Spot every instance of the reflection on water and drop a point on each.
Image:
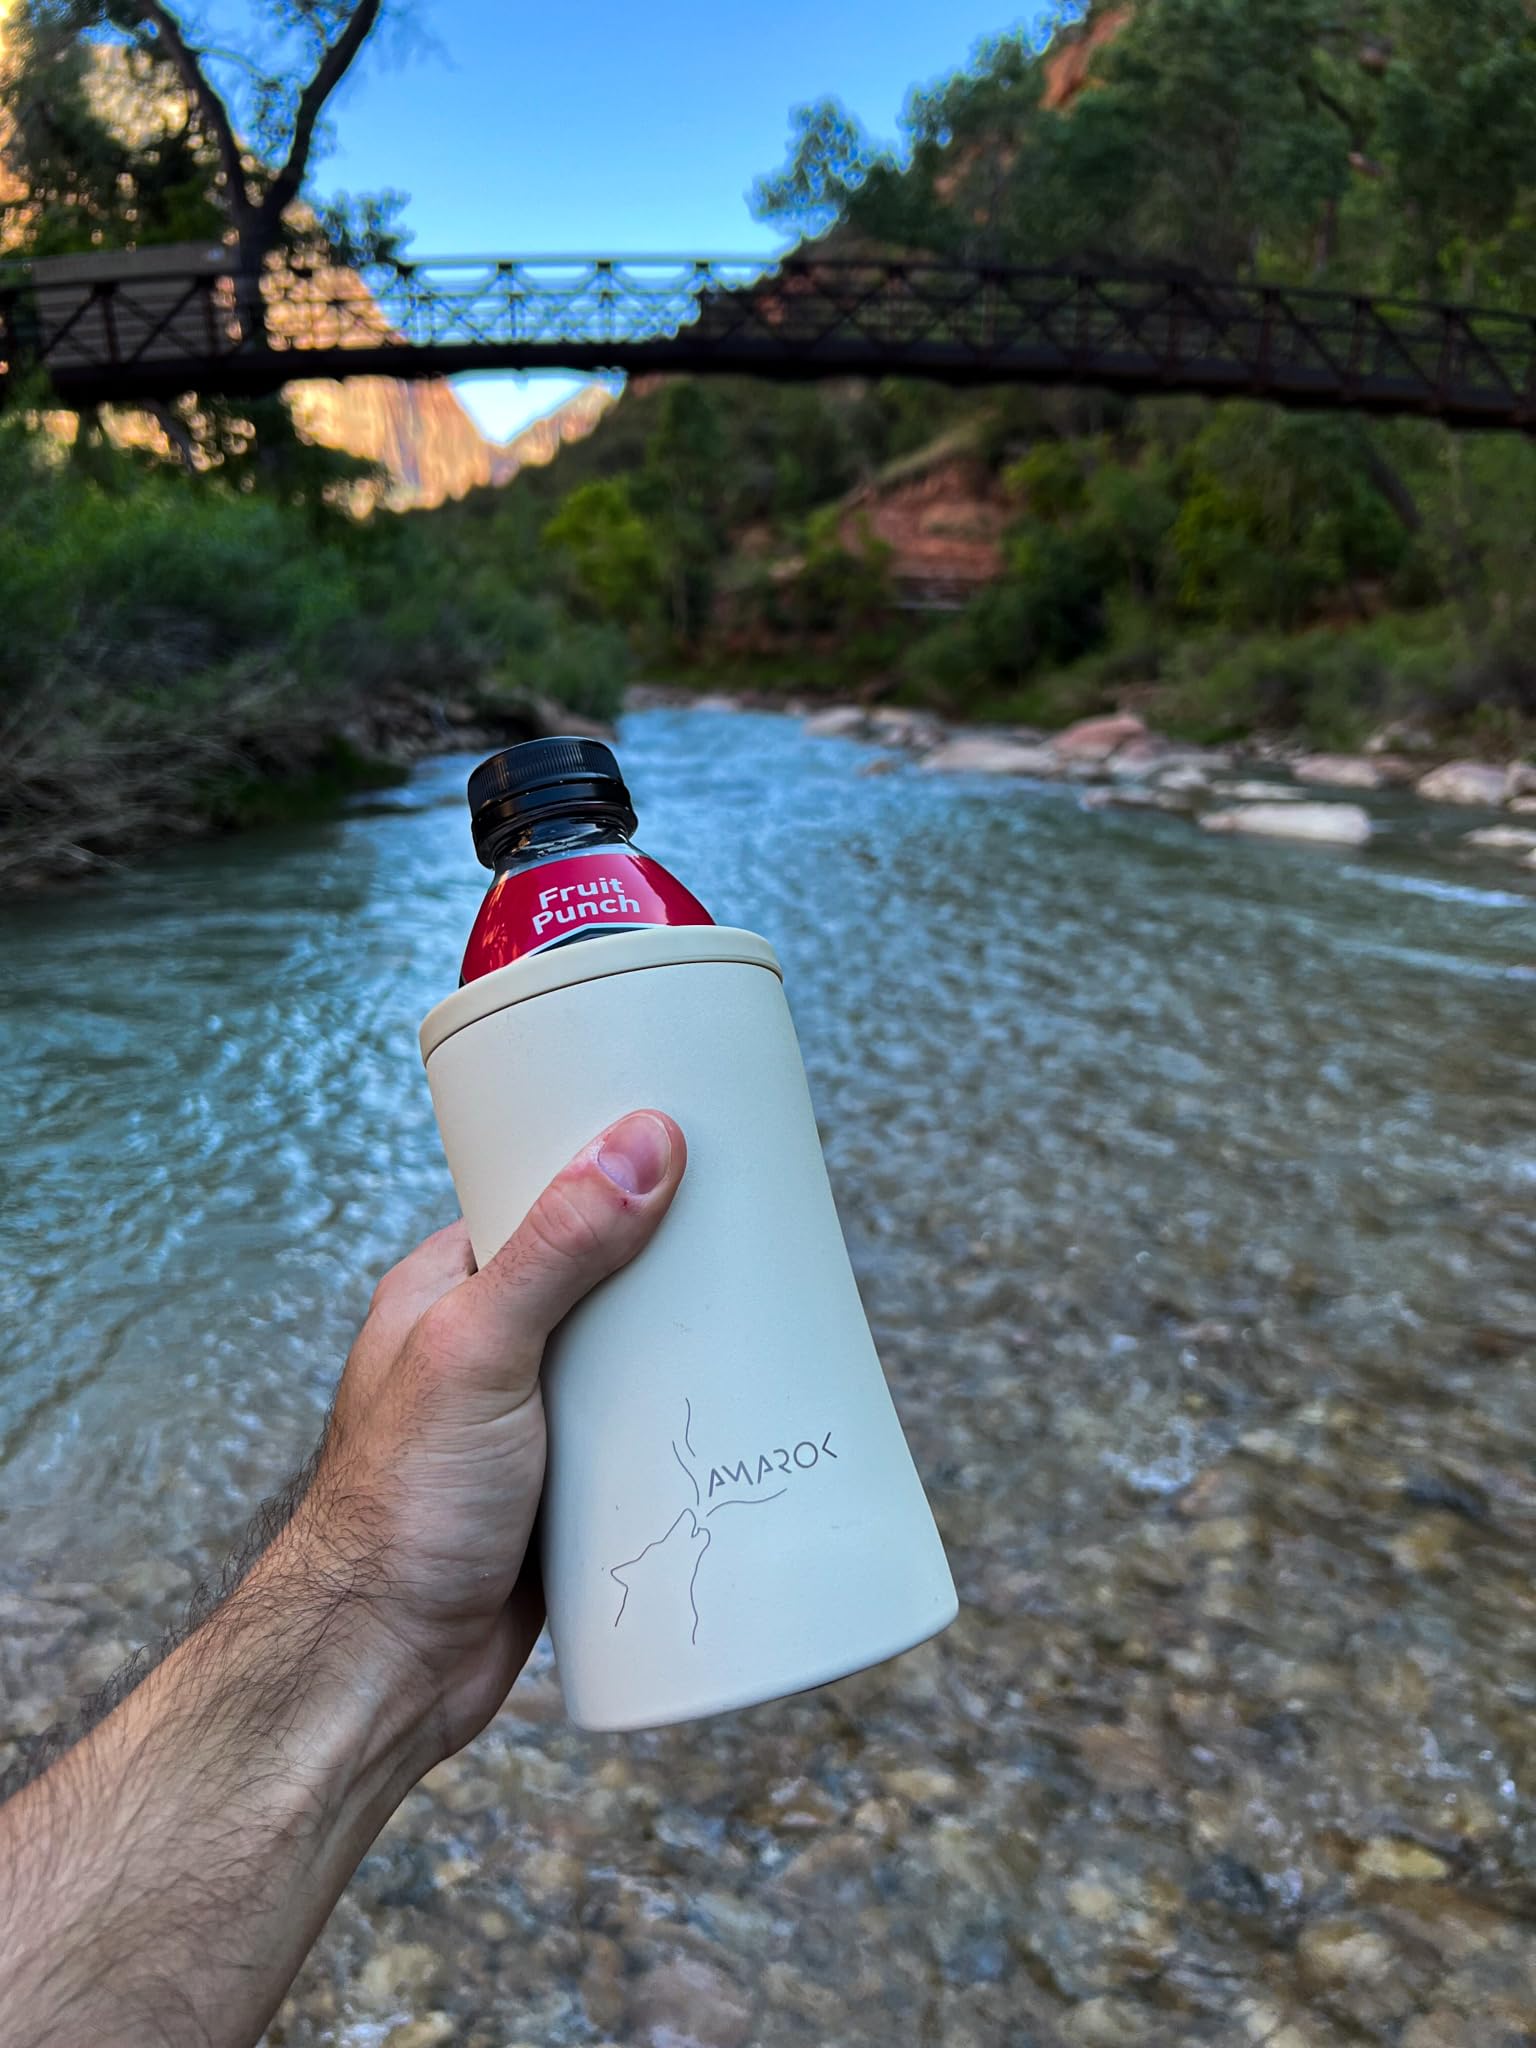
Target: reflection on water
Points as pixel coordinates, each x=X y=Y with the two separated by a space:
x=1192 y=1188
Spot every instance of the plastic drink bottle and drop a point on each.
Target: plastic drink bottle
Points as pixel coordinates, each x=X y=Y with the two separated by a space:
x=554 y=819
x=731 y=1512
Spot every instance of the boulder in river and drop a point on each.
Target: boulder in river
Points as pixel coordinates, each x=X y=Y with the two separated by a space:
x=895 y=726
x=1140 y=757
x=1504 y=838
x=1523 y=806
x=838 y=722
x=979 y=754
x=1095 y=739
x=1326 y=824
x=1465 y=782
x=1182 y=777
x=1398 y=771
x=1338 y=771
x=1132 y=796
x=1260 y=792
x=1401 y=737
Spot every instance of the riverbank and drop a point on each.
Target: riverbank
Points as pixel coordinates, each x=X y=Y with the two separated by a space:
x=277 y=758
x=85 y=803
x=1272 y=789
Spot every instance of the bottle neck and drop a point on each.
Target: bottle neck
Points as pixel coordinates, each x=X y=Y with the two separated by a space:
x=540 y=837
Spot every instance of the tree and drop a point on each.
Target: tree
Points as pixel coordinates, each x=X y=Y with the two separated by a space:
x=612 y=554
x=1458 y=127
x=682 y=489
x=101 y=148
x=124 y=128
x=830 y=158
x=113 y=101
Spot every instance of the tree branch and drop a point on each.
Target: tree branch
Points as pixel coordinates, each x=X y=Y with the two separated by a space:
x=1335 y=106
x=190 y=71
x=331 y=70
x=1392 y=486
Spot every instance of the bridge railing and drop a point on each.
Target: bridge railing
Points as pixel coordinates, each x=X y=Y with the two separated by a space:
x=534 y=302
x=934 y=316
x=105 y=311
x=160 y=321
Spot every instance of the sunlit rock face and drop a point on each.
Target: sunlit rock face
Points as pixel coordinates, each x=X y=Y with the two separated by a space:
x=1068 y=64
x=424 y=438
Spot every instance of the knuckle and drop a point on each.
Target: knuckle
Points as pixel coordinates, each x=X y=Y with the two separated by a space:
x=561 y=1226
x=439 y=1331
x=385 y=1290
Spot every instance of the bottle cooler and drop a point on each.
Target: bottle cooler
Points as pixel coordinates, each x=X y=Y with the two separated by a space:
x=731 y=1512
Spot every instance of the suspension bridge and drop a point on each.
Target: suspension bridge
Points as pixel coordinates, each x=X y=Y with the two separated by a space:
x=156 y=323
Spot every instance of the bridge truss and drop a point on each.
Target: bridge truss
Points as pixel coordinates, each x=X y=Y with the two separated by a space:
x=155 y=323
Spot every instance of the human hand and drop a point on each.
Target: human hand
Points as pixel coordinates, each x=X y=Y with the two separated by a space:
x=375 y=1634
x=428 y=1481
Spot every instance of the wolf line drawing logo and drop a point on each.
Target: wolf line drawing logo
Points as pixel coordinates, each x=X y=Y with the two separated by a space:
x=680 y=1546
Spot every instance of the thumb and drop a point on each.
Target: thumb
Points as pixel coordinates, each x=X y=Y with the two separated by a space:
x=591 y=1219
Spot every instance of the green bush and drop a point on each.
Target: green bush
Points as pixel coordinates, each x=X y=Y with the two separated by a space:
x=611 y=552
x=1329 y=688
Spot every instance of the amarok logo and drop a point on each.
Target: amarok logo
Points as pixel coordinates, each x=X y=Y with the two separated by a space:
x=768 y=1465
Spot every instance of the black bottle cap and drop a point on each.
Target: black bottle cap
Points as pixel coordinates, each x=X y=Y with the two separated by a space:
x=570 y=777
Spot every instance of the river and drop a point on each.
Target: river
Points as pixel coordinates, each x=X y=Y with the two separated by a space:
x=1191 y=1184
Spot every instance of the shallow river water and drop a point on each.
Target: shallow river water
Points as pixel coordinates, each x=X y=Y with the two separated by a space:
x=1191 y=1184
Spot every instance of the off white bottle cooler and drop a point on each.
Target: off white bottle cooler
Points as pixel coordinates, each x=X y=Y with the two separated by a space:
x=731 y=1512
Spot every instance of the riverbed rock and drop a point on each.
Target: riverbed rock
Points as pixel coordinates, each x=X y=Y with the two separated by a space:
x=1106 y=2023
x=837 y=722
x=398 y=1975
x=1338 y=771
x=1095 y=739
x=1464 y=782
x=1521 y=780
x=1523 y=806
x=979 y=754
x=686 y=2002
x=1503 y=838
x=430 y=2031
x=1344 y=1950
x=1325 y=824
x=1395 y=1862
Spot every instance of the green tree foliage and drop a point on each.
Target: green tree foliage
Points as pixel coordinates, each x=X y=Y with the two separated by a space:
x=1375 y=141
x=845 y=575
x=612 y=555
x=130 y=125
x=1277 y=514
x=682 y=491
x=173 y=648
x=830 y=158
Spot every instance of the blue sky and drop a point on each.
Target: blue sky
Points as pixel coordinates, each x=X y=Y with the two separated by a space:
x=616 y=128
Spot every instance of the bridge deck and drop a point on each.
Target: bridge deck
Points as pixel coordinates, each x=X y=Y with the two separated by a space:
x=143 y=326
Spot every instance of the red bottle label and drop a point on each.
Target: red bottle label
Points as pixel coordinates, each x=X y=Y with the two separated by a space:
x=530 y=910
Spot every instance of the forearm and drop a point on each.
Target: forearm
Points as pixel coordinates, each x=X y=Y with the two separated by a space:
x=163 y=1881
